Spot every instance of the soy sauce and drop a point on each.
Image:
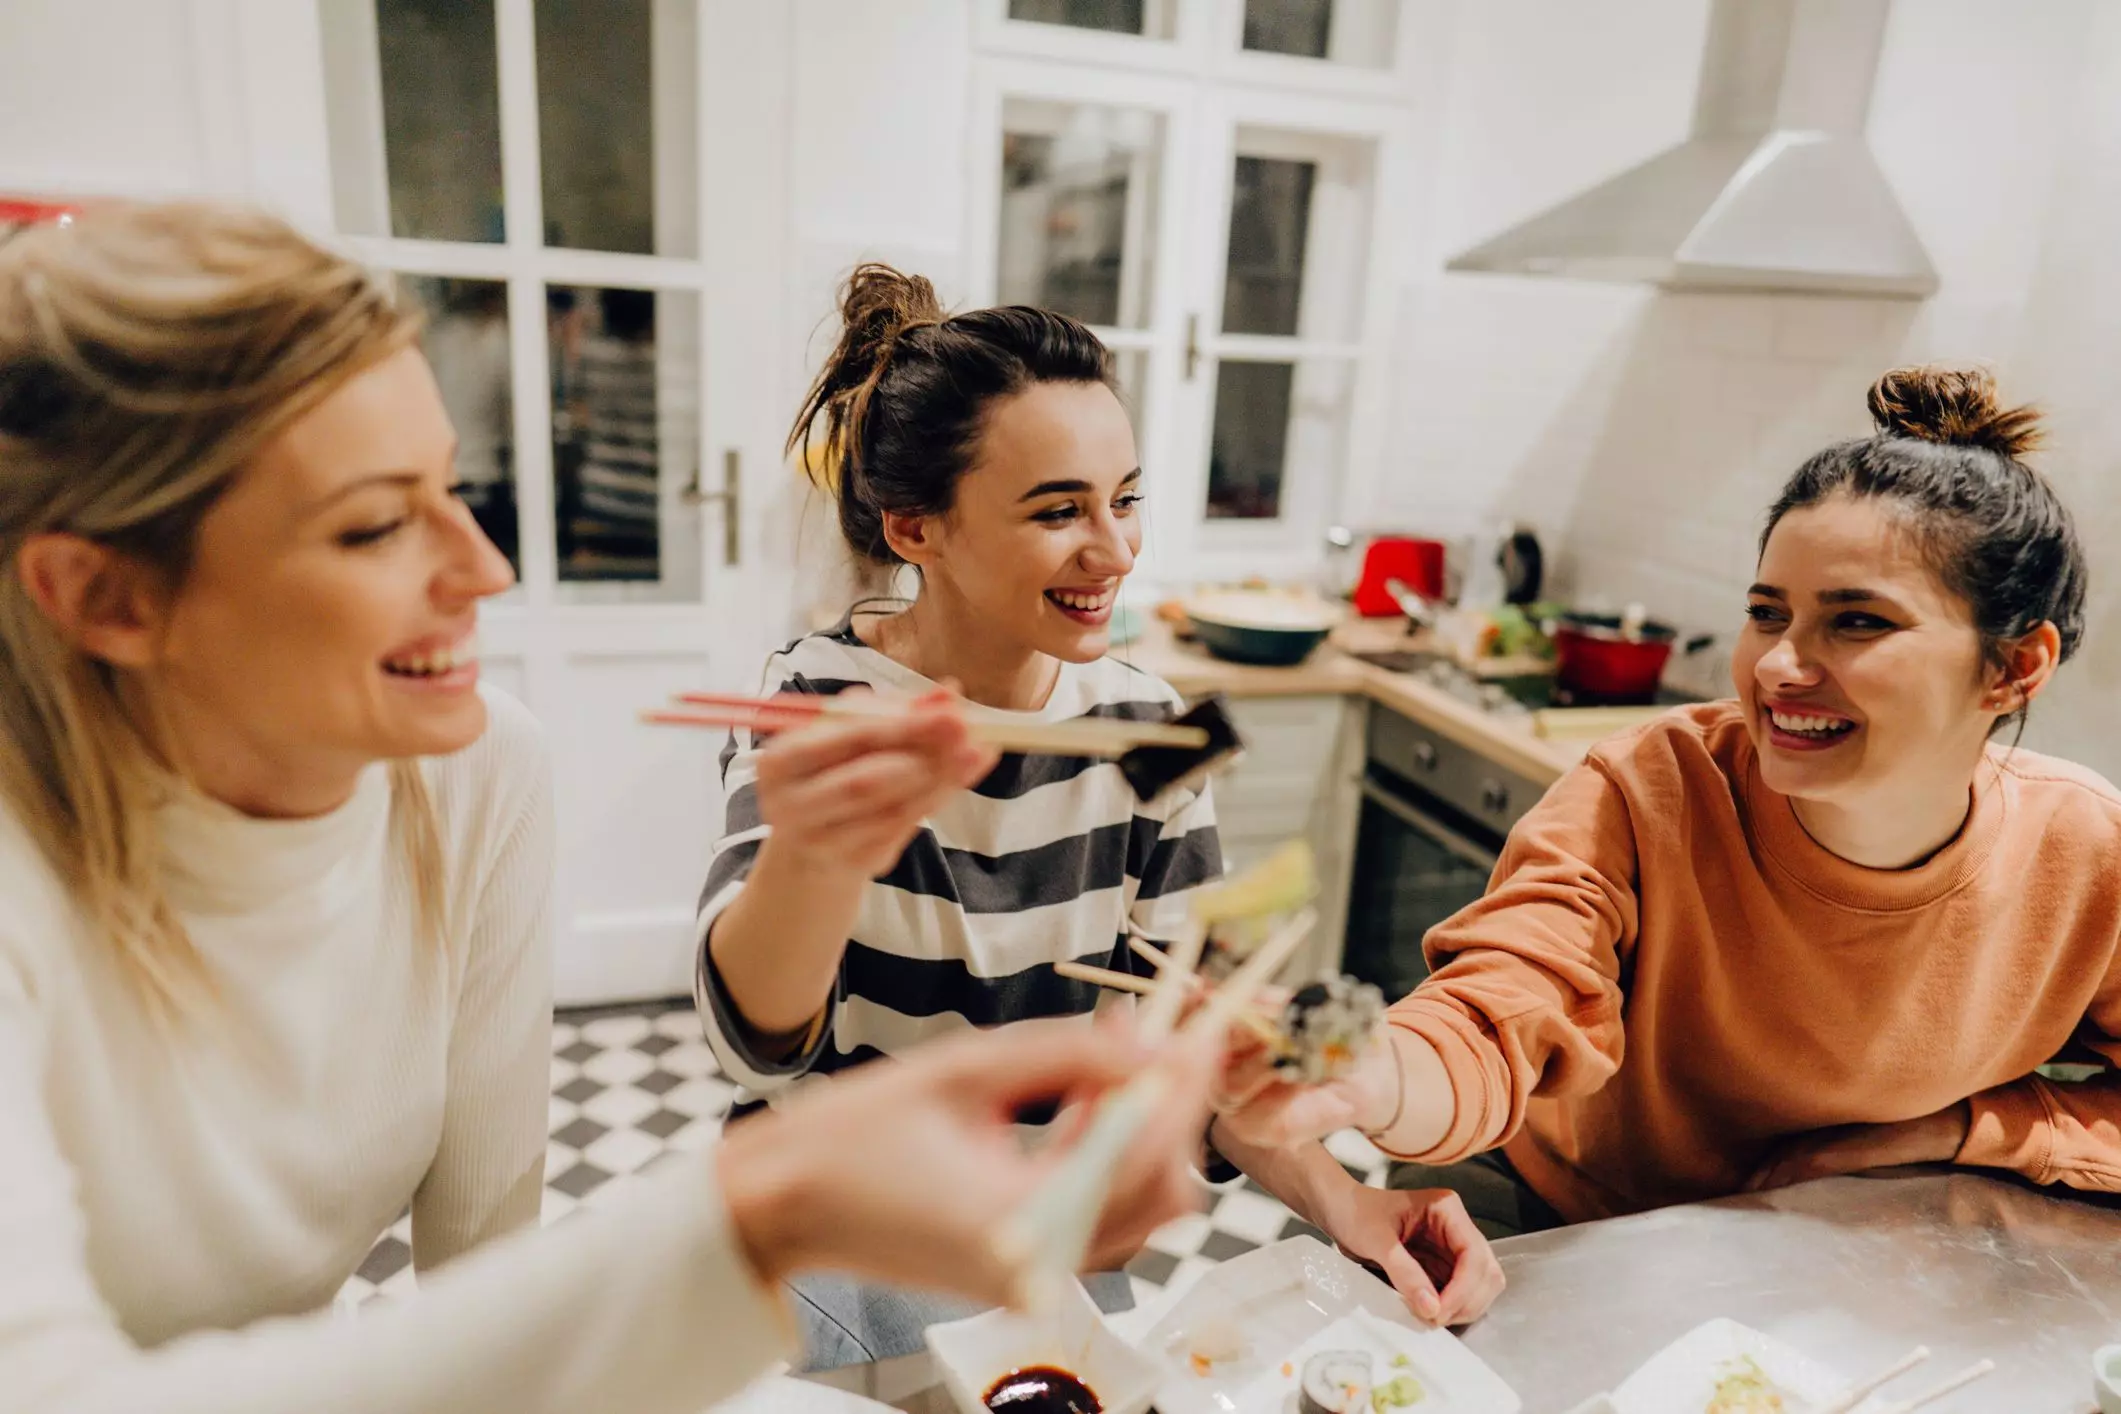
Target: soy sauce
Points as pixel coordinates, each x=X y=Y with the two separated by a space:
x=1041 y=1389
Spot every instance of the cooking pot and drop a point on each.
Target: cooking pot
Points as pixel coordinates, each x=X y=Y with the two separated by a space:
x=1611 y=658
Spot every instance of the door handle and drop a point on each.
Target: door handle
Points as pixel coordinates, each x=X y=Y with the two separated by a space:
x=730 y=498
x=1192 y=345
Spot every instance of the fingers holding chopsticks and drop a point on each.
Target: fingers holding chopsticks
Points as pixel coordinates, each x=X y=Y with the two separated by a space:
x=849 y=793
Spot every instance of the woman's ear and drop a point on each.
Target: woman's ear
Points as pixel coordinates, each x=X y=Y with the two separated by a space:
x=102 y=602
x=2026 y=667
x=913 y=538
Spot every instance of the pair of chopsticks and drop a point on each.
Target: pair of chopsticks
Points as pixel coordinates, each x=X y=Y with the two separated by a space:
x=1252 y=1020
x=1045 y=1240
x=1100 y=738
x=1855 y=1394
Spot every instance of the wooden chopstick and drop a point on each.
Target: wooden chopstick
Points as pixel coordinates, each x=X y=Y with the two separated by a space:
x=1257 y=1024
x=1959 y=1381
x=1102 y=737
x=1855 y=1394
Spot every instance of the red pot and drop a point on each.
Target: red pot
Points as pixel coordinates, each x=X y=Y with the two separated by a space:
x=1595 y=660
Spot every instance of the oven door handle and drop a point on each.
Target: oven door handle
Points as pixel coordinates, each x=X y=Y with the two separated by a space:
x=1415 y=818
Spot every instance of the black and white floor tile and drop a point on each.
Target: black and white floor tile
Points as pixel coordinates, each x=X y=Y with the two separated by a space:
x=631 y=1084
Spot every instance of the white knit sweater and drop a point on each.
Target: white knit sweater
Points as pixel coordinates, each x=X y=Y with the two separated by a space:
x=163 y=1194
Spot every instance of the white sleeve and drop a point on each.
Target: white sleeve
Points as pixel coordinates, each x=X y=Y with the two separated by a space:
x=488 y=1173
x=744 y=832
x=647 y=1305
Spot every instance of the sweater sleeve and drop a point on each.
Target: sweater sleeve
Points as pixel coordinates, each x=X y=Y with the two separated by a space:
x=1525 y=995
x=2056 y=1132
x=1187 y=854
x=488 y=1173
x=646 y=1305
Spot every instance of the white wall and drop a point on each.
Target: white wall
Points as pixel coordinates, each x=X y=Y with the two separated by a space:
x=1644 y=434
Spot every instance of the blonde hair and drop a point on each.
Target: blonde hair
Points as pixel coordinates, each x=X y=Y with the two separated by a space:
x=147 y=353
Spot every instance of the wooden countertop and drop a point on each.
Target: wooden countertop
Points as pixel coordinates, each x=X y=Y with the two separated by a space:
x=1330 y=670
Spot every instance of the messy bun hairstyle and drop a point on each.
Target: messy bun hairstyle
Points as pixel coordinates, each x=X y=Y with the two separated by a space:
x=895 y=416
x=1950 y=456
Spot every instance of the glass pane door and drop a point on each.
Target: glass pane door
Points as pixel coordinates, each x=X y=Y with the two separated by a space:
x=1360 y=33
x=1150 y=19
x=1294 y=266
x=1080 y=184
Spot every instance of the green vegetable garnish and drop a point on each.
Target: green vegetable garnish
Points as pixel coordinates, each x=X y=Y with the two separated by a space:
x=1398 y=1393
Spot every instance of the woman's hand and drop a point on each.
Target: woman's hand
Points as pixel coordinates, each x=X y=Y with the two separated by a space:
x=1851 y=1148
x=847 y=795
x=1425 y=1242
x=903 y=1170
x=1256 y=1105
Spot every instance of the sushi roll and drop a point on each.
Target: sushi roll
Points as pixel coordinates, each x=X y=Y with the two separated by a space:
x=1325 y=1027
x=1335 y=1382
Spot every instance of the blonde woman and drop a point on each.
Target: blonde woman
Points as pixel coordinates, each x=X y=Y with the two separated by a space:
x=273 y=906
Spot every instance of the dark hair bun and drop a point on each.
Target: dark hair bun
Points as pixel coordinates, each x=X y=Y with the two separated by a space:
x=1954 y=406
x=878 y=303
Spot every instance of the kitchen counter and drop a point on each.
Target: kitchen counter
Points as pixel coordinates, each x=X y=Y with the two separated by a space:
x=1853 y=1272
x=1332 y=671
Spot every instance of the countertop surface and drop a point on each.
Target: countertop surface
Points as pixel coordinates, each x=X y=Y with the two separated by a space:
x=1511 y=743
x=1852 y=1272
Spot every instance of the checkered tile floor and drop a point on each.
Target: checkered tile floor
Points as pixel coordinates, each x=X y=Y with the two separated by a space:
x=631 y=1084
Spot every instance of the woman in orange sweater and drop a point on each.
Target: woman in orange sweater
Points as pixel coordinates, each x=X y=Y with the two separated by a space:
x=1829 y=926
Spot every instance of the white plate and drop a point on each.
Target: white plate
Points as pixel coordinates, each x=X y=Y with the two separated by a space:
x=1681 y=1378
x=1276 y=1306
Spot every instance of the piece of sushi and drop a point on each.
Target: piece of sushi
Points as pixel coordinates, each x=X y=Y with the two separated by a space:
x=1325 y=1026
x=1335 y=1382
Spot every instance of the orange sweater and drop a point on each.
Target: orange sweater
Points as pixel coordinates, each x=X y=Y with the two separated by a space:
x=1668 y=976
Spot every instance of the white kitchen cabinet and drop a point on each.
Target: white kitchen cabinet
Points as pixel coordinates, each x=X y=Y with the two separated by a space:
x=1298 y=778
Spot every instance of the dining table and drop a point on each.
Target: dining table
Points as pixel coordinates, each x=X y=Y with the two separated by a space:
x=1854 y=1272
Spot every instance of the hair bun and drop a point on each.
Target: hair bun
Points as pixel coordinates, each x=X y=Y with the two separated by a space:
x=1953 y=406
x=879 y=303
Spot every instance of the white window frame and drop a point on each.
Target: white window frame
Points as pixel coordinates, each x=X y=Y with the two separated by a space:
x=534 y=620
x=1207 y=90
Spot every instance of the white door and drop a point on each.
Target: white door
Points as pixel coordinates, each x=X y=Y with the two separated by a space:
x=1206 y=182
x=586 y=197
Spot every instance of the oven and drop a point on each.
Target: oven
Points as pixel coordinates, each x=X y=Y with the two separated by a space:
x=1434 y=817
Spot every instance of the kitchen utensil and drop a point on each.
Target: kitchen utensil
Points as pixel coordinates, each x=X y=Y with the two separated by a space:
x=1273 y=630
x=1856 y=1393
x=1420 y=613
x=1613 y=659
x=1932 y=1395
x=1417 y=563
x=1127 y=982
x=1523 y=566
x=1153 y=756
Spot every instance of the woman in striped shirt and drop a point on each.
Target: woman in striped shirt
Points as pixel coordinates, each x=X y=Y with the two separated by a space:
x=882 y=883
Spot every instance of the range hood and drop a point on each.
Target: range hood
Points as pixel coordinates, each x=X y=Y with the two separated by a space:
x=1774 y=189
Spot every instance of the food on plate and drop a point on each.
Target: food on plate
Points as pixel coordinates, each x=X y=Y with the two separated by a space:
x=1742 y=1387
x=1041 y=1389
x=1335 y=1382
x=1397 y=1393
x=1215 y=1342
x=1325 y=1026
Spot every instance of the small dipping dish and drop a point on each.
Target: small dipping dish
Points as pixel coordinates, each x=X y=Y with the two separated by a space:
x=1035 y=1364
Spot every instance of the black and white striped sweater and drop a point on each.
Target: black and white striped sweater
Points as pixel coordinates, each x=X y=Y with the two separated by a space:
x=1045 y=859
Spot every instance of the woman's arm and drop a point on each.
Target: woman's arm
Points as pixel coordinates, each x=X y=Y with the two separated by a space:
x=1525 y=998
x=811 y=820
x=661 y=1302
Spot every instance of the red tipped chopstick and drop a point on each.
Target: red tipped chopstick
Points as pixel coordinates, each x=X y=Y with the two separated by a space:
x=1100 y=737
